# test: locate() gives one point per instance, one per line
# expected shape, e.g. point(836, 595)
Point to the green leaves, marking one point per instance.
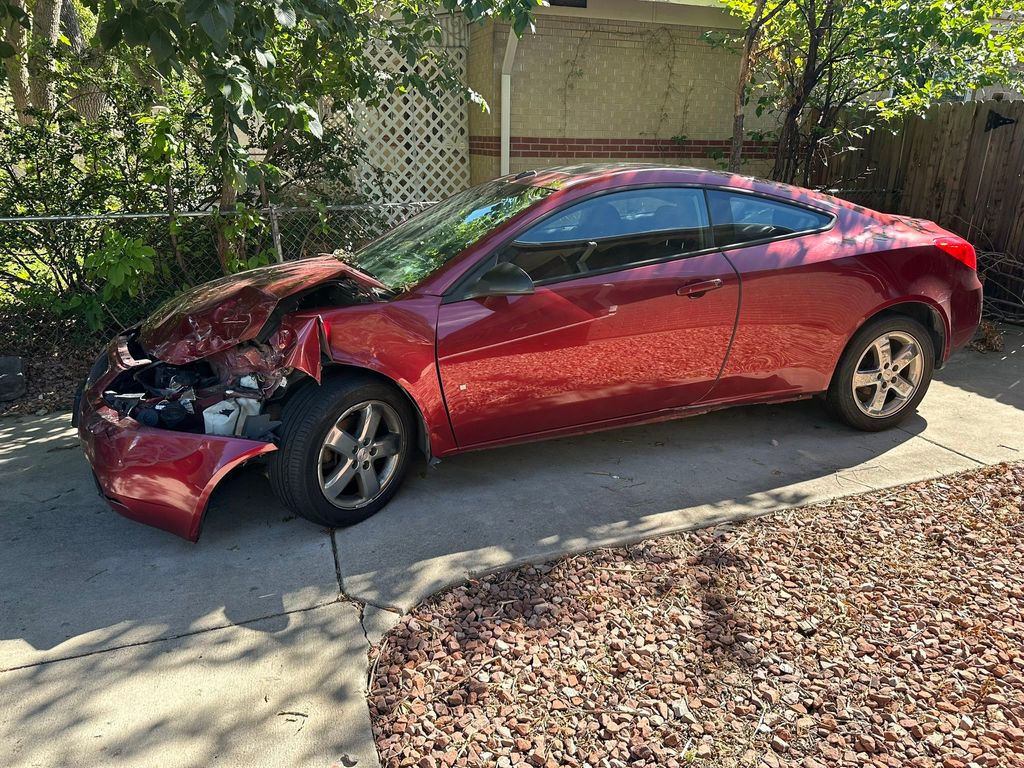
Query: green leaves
point(214, 18)
point(818, 59)
point(14, 12)
point(120, 266)
point(264, 58)
point(285, 16)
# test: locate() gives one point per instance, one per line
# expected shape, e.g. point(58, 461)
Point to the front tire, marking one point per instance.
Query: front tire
point(345, 449)
point(883, 374)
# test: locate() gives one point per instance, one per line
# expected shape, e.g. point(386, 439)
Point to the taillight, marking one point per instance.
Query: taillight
point(959, 249)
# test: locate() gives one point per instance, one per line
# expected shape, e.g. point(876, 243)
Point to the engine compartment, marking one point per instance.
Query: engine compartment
point(198, 398)
point(234, 389)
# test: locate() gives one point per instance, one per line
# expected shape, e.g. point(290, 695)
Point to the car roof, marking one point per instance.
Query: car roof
point(574, 176)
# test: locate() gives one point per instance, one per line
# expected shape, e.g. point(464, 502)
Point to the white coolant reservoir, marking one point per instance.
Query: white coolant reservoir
point(221, 418)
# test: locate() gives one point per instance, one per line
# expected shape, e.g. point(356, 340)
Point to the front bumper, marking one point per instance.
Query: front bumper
point(155, 476)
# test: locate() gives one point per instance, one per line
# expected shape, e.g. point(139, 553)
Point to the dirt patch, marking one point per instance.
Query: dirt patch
point(51, 381)
point(885, 629)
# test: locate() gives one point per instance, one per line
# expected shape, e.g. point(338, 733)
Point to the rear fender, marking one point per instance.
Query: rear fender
point(921, 308)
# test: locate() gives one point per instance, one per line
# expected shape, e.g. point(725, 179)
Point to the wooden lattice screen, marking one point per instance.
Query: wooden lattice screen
point(418, 150)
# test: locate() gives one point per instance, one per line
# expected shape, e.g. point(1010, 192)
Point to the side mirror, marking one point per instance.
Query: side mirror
point(503, 279)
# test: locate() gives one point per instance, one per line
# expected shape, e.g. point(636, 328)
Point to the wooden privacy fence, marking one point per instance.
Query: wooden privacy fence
point(961, 165)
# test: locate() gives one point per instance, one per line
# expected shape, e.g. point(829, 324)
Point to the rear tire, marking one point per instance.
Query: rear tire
point(883, 374)
point(345, 449)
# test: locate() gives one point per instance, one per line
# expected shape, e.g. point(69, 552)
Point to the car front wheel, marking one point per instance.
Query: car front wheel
point(345, 449)
point(883, 375)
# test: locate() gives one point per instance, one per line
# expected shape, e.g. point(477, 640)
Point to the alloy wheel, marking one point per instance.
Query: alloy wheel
point(888, 374)
point(360, 454)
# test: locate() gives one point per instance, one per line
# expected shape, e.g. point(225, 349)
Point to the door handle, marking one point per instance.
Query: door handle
point(698, 289)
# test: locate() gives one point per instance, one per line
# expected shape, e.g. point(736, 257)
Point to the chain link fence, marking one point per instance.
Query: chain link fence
point(48, 261)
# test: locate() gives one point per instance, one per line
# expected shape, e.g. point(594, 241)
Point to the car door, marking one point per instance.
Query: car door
point(633, 312)
point(787, 337)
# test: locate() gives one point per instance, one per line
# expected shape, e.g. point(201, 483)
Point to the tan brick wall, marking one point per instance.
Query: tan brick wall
point(760, 168)
point(483, 75)
point(482, 167)
point(587, 78)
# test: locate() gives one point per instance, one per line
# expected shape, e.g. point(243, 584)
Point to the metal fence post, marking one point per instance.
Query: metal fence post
point(276, 233)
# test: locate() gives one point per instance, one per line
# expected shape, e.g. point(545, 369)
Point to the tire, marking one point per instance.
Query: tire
point(302, 469)
point(885, 400)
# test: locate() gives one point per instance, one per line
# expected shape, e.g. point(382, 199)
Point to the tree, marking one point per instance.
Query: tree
point(14, 23)
point(831, 68)
point(758, 14)
point(183, 105)
point(28, 46)
point(262, 74)
point(269, 66)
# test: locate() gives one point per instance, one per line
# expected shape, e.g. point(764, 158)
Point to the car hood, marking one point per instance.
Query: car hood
point(226, 312)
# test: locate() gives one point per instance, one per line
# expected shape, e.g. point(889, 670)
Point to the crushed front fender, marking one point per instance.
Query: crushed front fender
point(159, 477)
point(155, 476)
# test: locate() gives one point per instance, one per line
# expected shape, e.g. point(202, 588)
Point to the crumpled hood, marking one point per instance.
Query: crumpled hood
point(226, 312)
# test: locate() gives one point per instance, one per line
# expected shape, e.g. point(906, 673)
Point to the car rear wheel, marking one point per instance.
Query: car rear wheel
point(883, 374)
point(345, 449)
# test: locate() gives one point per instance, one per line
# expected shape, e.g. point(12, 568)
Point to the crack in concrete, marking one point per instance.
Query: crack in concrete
point(337, 565)
point(944, 447)
point(343, 595)
point(168, 638)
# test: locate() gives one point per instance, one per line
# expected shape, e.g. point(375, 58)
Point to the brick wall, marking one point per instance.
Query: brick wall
point(609, 90)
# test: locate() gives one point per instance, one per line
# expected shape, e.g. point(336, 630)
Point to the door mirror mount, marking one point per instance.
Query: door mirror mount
point(504, 279)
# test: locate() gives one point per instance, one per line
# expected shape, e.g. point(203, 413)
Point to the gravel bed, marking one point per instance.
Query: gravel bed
point(879, 630)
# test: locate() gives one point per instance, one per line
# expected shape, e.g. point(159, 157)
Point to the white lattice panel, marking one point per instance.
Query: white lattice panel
point(419, 148)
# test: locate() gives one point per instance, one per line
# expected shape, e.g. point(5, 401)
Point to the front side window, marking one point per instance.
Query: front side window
point(412, 251)
point(613, 231)
point(738, 218)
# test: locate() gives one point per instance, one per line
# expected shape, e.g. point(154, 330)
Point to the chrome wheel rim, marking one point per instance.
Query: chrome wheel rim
point(359, 456)
point(888, 374)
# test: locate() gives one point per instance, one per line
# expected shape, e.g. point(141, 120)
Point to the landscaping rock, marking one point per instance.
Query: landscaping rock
point(879, 630)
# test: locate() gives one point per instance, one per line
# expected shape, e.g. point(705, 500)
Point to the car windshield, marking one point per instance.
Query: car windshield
point(420, 246)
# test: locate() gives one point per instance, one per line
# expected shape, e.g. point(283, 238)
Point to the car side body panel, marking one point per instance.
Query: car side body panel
point(586, 350)
point(396, 340)
point(805, 297)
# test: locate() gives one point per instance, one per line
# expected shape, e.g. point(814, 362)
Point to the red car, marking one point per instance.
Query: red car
point(532, 306)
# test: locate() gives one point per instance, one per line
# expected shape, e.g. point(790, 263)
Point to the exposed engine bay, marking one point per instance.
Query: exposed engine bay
point(229, 374)
point(198, 398)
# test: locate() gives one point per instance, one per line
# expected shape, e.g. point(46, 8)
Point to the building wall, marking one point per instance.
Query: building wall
point(602, 89)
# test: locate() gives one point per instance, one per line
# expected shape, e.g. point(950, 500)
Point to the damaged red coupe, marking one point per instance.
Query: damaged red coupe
point(538, 305)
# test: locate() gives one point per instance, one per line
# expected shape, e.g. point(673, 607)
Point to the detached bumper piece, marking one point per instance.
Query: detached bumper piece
point(154, 475)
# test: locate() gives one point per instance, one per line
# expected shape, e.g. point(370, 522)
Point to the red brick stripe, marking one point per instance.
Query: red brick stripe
point(639, 149)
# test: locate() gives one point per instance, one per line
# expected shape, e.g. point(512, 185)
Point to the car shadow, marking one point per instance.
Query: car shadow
point(486, 510)
point(76, 578)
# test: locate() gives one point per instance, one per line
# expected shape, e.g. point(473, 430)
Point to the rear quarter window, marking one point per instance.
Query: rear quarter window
point(739, 218)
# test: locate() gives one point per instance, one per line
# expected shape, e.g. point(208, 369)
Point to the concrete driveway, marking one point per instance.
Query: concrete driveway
point(120, 644)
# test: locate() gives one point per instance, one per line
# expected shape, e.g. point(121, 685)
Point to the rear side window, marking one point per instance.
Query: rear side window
point(738, 218)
